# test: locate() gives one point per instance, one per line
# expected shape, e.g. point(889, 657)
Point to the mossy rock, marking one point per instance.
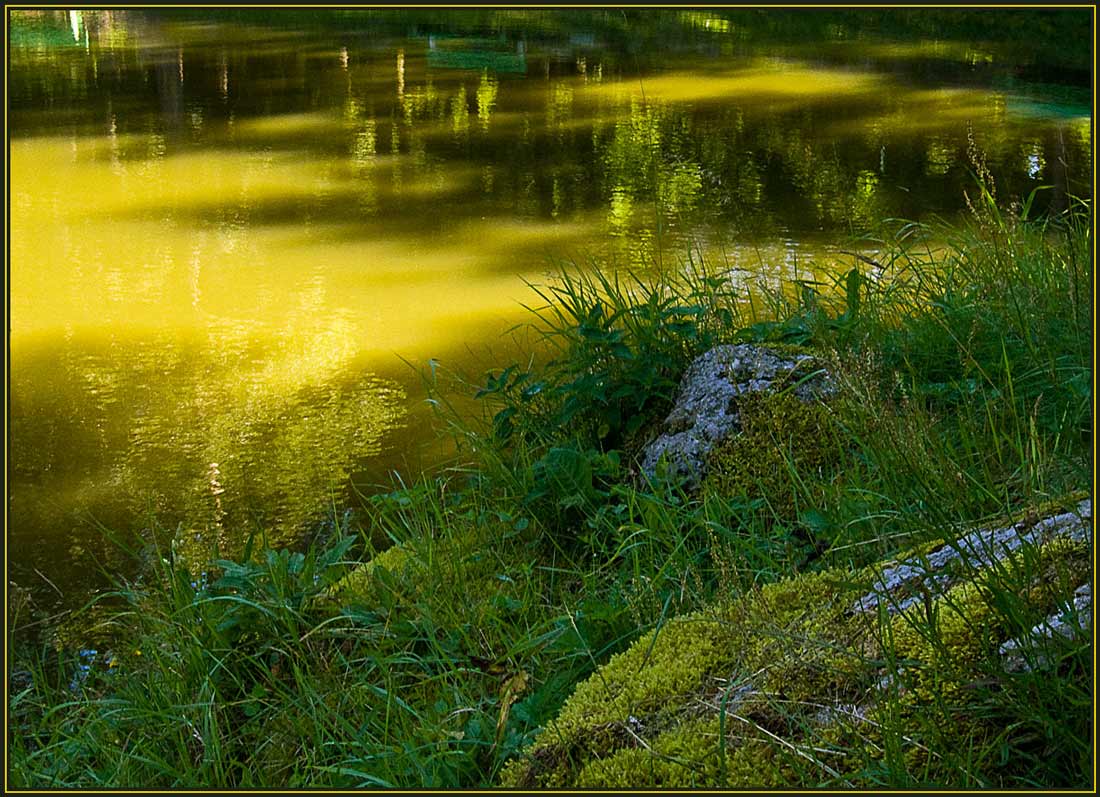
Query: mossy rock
point(784, 441)
point(813, 691)
point(714, 388)
point(674, 678)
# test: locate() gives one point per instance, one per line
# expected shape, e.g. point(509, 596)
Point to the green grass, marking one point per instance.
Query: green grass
point(965, 374)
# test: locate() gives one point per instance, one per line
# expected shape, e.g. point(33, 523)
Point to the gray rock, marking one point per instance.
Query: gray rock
point(906, 583)
point(1068, 624)
point(841, 712)
point(706, 409)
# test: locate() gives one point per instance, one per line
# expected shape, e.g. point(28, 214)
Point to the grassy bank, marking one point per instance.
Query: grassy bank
point(965, 376)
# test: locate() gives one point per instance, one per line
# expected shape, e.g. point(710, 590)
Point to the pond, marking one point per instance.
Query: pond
point(233, 232)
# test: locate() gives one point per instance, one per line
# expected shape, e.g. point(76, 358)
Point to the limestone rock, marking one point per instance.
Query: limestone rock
point(1067, 624)
point(905, 583)
point(706, 408)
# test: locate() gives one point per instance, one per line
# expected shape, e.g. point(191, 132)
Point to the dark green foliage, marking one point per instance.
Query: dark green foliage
point(619, 347)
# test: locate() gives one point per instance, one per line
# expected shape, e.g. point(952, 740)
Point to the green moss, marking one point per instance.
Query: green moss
point(1062, 566)
point(684, 758)
point(943, 640)
point(655, 673)
point(797, 636)
point(649, 717)
point(791, 639)
point(356, 584)
point(691, 757)
point(783, 439)
point(644, 678)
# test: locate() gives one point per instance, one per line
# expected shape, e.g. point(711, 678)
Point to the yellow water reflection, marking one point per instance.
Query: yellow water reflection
point(224, 236)
point(770, 82)
point(948, 50)
point(932, 110)
point(216, 321)
point(185, 241)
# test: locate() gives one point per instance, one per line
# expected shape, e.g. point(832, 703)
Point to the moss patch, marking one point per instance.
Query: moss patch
point(783, 438)
point(359, 581)
point(798, 671)
point(772, 637)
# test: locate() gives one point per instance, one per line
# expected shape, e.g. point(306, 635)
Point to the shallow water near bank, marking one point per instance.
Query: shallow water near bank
point(228, 233)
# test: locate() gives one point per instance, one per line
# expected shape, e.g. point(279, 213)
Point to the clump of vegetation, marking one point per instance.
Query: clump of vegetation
point(782, 439)
point(963, 376)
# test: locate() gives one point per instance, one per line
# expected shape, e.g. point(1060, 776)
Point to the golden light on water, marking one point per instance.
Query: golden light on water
point(774, 83)
point(197, 248)
point(225, 238)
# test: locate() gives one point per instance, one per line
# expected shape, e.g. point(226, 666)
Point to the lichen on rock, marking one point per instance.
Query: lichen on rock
point(902, 584)
point(1071, 623)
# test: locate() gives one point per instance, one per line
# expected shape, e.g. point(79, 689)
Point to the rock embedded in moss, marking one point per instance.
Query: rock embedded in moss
point(1067, 624)
point(796, 682)
point(706, 411)
point(905, 583)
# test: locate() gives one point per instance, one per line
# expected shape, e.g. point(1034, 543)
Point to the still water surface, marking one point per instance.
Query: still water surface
point(228, 231)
